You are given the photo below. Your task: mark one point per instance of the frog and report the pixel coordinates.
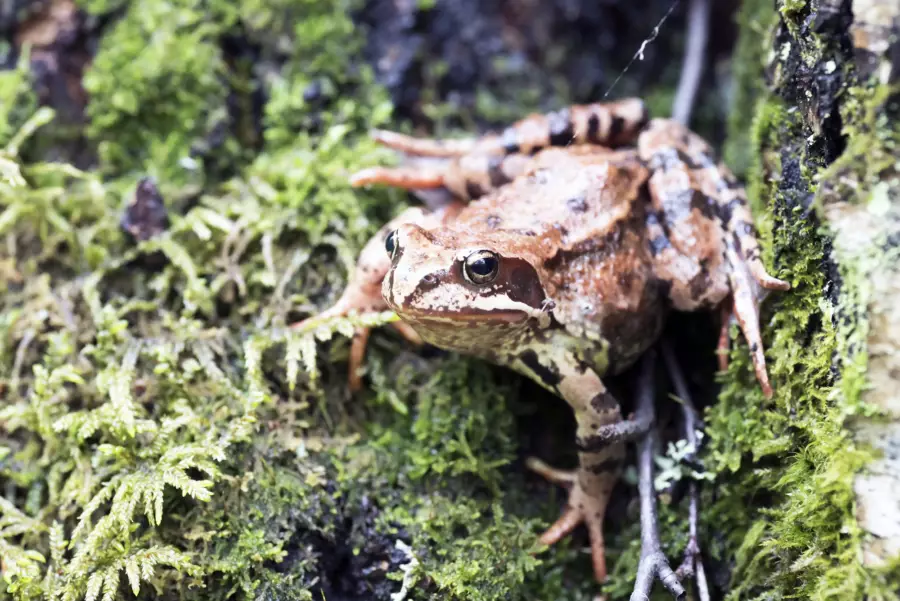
(570, 238)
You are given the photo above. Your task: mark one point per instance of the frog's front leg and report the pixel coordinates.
(600, 462)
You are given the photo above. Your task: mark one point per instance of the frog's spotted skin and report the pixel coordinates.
(566, 259)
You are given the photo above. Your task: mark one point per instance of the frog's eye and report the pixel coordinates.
(481, 267)
(390, 243)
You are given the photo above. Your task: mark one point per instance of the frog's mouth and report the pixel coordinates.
(455, 318)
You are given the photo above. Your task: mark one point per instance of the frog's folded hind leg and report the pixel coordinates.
(610, 124)
(703, 215)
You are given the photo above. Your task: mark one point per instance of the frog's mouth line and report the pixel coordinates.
(454, 318)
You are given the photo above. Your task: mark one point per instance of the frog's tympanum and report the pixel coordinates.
(571, 236)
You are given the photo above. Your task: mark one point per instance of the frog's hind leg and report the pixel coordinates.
(610, 124)
(701, 232)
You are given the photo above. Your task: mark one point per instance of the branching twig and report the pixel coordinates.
(694, 58)
(692, 565)
(653, 562)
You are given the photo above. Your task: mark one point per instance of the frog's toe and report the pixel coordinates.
(587, 510)
(407, 178)
(557, 476)
(357, 354)
(724, 345)
(408, 333)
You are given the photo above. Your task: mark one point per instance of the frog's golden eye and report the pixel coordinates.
(481, 267)
(390, 243)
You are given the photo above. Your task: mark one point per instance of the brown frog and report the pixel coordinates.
(582, 229)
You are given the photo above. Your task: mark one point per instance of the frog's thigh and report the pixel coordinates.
(686, 246)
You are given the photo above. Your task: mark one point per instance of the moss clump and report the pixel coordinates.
(790, 463)
(168, 90)
(160, 432)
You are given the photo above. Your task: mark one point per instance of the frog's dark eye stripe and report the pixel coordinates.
(390, 243)
(481, 267)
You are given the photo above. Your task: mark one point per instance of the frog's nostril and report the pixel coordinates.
(429, 279)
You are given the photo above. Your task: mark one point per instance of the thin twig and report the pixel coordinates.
(653, 563)
(693, 62)
(692, 565)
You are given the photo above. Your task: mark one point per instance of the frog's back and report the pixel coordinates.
(581, 215)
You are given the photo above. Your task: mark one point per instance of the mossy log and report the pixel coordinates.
(164, 435)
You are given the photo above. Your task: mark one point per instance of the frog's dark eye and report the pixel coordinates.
(481, 267)
(390, 243)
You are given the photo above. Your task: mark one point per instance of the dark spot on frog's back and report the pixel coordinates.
(495, 172)
(703, 203)
(616, 127)
(493, 221)
(577, 204)
(474, 190)
(546, 374)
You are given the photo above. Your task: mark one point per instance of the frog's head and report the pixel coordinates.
(462, 292)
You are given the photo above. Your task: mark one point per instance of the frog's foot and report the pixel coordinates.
(581, 508)
(466, 177)
(357, 299)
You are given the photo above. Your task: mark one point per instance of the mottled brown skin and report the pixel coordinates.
(564, 268)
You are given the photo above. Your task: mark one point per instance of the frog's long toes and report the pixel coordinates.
(422, 146)
(768, 282)
(559, 477)
(408, 333)
(724, 345)
(582, 510)
(399, 177)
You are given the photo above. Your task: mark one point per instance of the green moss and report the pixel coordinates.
(161, 434)
(156, 86)
(756, 21)
(789, 463)
(17, 101)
